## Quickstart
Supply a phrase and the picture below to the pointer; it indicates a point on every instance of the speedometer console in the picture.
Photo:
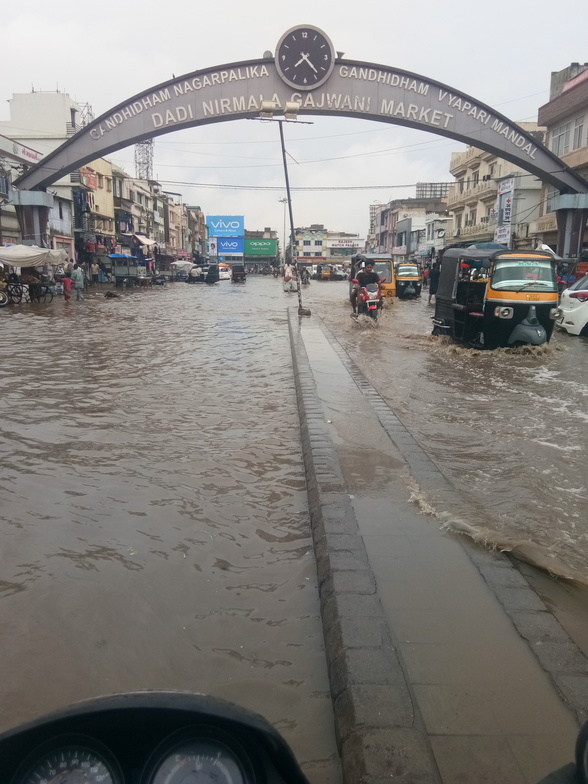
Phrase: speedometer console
(148, 738)
(191, 756)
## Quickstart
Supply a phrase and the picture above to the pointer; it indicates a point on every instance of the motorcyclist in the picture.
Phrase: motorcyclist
(367, 275)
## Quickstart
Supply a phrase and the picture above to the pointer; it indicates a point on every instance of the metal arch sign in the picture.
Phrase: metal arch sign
(354, 89)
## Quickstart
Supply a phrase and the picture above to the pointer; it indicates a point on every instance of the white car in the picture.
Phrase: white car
(573, 308)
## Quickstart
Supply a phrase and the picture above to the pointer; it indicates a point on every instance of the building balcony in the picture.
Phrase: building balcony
(477, 229)
(481, 190)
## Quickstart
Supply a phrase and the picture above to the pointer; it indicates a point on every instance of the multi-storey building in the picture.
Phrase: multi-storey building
(565, 118)
(399, 227)
(309, 246)
(315, 244)
(479, 213)
(44, 120)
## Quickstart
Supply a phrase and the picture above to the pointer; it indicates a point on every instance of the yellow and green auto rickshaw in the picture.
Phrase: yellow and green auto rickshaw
(383, 265)
(496, 298)
(409, 279)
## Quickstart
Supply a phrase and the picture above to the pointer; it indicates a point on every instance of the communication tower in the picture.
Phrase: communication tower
(144, 160)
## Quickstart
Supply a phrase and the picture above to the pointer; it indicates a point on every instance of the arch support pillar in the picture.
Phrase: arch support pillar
(32, 210)
(571, 210)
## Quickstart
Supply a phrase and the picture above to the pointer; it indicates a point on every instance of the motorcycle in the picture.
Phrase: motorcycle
(169, 738)
(369, 299)
(158, 280)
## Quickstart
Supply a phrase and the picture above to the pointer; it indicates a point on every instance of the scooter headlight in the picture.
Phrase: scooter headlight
(554, 313)
(504, 313)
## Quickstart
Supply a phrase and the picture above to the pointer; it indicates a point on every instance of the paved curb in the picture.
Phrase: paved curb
(380, 732)
(558, 655)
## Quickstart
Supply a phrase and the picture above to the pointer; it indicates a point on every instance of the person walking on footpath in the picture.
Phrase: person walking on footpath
(78, 278)
(434, 280)
(68, 284)
(289, 278)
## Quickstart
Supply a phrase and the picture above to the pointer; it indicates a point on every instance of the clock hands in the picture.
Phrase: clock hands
(304, 58)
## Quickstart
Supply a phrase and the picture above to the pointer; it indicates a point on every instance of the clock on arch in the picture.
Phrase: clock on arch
(305, 57)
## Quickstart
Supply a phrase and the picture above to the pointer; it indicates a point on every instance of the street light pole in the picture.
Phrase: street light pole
(291, 110)
(284, 201)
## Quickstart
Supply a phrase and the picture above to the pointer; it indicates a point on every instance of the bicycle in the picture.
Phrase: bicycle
(11, 294)
(41, 293)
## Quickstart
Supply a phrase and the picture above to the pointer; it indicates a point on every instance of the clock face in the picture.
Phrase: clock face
(305, 57)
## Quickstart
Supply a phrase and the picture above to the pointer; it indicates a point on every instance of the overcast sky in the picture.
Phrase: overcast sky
(103, 53)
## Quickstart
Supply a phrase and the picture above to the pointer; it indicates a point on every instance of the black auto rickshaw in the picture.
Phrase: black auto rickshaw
(238, 273)
(496, 298)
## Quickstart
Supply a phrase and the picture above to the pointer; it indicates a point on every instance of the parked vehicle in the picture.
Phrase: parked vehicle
(125, 269)
(496, 298)
(369, 300)
(238, 273)
(383, 265)
(573, 308)
(409, 280)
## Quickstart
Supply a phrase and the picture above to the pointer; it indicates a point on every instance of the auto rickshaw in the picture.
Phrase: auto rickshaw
(496, 298)
(238, 273)
(382, 265)
(409, 280)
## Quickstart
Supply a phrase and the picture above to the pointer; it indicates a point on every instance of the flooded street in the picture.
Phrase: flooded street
(155, 529)
(508, 428)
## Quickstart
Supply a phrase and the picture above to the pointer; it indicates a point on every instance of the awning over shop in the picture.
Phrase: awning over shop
(31, 256)
(144, 240)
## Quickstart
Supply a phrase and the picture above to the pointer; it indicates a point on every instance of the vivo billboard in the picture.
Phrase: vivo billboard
(254, 247)
(226, 225)
(230, 246)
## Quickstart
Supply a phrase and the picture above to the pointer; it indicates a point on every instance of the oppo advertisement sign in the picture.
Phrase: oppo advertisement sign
(226, 226)
(261, 247)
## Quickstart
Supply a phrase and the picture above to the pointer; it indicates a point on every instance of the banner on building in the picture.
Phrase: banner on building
(256, 247)
(226, 225)
(230, 246)
(213, 246)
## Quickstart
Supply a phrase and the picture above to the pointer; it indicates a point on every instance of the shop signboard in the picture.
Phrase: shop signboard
(502, 234)
(261, 247)
(226, 225)
(230, 246)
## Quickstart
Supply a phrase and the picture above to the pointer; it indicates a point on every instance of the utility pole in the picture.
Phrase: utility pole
(284, 201)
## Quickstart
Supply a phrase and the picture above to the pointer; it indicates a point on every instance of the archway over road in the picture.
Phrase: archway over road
(352, 89)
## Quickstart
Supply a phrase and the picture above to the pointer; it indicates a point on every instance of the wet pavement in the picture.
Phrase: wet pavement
(478, 688)
(154, 517)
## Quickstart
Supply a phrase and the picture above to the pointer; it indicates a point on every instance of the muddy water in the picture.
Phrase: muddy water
(509, 428)
(154, 524)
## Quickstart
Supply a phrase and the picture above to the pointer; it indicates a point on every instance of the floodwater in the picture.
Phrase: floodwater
(155, 532)
(508, 428)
